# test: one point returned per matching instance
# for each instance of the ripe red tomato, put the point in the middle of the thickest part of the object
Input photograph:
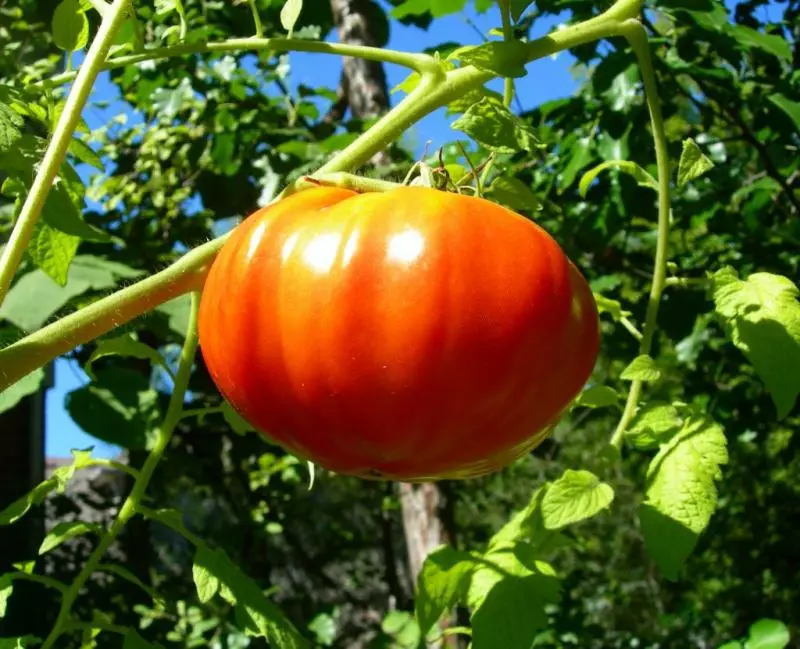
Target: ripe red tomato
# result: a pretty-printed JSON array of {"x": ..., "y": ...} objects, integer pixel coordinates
[{"x": 409, "y": 335}]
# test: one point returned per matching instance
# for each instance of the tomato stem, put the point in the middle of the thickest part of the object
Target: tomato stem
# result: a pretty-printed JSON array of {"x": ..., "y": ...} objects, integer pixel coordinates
[
  {"x": 134, "y": 499},
  {"x": 636, "y": 35},
  {"x": 59, "y": 143}
]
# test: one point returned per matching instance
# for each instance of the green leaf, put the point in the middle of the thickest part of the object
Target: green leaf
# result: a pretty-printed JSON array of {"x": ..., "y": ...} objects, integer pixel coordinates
[
  {"x": 509, "y": 592},
  {"x": 10, "y": 124},
  {"x": 259, "y": 615},
  {"x": 580, "y": 155},
  {"x": 290, "y": 12},
  {"x": 52, "y": 250},
  {"x": 119, "y": 407},
  {"x": 6, "y": 588},
  {"x": 598, "y": 396},
  {"x": 768, "y": 634},
  {"x": 497, "y": 128},
  {"x": 238, "y": 424},
  {"x": 681, "y": 493},
  {"x": 770, "y": 43},
  {"x": 442, "y": 583},
  {"x": 526, "y": 524},
  {"x": 505, "y": 58},
  {"x": 791, "y": 108},
  {"x": 641, "y": 368},
  {"x": 133, "y": 640},
  {"x": 464, "y": 102},
  {"x": 70, "y": 26},
  {"x": 654, "y": 425},
  {"x": 207, "y": 584},
  {"x": 58, "y": 480},
  {"x": 574, "y": 497},
  {"x": 68, "y": 530},
  {"x": 514, "y": 193},
  {"x": 761, "y": 316},
  {"x": 35, "y": 298},
  {"x": 127, "y": 346},
  {"x": 26, "y": 386},
  {"x": 177, "y": 311},
  {"x": 612, "y": 307},
  {"x": 518, "y": 8},
  {"x": 693, "y": 163},
  {"x": 128, "y": 576},
  {"x": 642, "y": 178},
  {"x": 86, "y": 154}
]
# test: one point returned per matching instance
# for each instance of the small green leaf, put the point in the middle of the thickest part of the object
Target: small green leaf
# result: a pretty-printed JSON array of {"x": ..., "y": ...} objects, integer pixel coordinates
[
  {"x": 238, "y": 424},
  {"x": 207, "y": 584},
  {"x": 497, "y": 128},
  {"x": 612, "y": 307},
  {"x": 643, "y": 178},
  {"x": 770, "y": 43},
  {"x": 761, "y": 316},
  {"x": 70, "y": 26},
  {"x": 86, "y": 154},
  {"x": 641, "y": 368},
  {"x": 574, "y": 497},
  {"x": 768, "y": 634},
  {"x": 655, "y": 424},
  {"x": 6, "y": 588},
  {"x": 505, "y": 58},
  {"x": 26, "y": 386},
  {"x": 53, "y": 251},
  {"x": 128, "y": 576},
  {"x": 791, "y": 108},
  {"x": 442, "y": 583},
  {"x": 681, "y": 493},
  {"x": 693, "y": 163},
  {"x": 10, "y": 124},
  {"x": 68, "y": 530},
  {"x": 464, "y": 102},
  {"x": 256, "y": 613},
  {"x": 290, "y": 12},
  {"x": 514, "y": 193},
  {"x": 127, "y": 346},
  {"x": 598, "y": 396}
]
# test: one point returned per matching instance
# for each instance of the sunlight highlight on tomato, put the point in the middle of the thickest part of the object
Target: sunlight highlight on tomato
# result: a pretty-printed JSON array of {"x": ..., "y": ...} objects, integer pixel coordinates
[{"x": 409, "y": 335}]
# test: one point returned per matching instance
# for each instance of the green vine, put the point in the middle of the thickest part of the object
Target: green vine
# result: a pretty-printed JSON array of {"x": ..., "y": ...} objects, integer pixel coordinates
[{"x": 134, "y": 499}]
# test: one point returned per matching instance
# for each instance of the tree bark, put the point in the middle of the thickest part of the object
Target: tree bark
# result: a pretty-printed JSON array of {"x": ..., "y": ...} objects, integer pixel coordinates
[{"x": 362, "y": 86}]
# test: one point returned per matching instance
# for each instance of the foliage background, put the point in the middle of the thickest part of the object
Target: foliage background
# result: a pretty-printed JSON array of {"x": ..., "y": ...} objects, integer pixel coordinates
[{"x": 221, "y": 134}]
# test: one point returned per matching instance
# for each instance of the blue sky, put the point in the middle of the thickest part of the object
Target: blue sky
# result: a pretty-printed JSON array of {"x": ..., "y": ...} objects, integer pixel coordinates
[{"x": 547, "y": 79}]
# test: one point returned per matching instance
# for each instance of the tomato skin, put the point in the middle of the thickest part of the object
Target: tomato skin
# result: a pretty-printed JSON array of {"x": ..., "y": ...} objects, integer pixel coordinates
[{"x": 408, "y": 335}]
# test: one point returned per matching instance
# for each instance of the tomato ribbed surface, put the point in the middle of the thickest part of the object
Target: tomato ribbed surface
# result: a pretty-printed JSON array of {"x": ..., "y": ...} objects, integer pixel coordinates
[{"x": 411, "y": 335}]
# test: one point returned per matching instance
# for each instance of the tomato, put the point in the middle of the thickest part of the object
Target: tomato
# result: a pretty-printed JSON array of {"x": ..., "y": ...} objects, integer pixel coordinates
[{"x": 409, "y": 335}]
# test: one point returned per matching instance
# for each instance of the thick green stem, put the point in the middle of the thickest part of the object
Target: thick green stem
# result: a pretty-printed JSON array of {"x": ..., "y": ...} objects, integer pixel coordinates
[
  {"x": 59, "y": 143},
  {"x": 134, "y": 499},
  {"x": 637, "y": 37},
  {"x": 436, "y": 89}
]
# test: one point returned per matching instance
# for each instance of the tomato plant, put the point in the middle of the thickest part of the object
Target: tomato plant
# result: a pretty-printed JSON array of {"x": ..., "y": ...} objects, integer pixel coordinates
[
  {"x": 400, "y": 332},
  {"x": 413, "y": 334}
]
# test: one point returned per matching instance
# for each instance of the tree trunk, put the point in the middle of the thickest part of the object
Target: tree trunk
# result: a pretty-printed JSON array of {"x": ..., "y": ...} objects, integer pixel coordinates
[{"x": 362, "y": 86}]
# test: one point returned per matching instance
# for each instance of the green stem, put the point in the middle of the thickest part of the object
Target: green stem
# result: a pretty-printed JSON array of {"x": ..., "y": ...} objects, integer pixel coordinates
[
  {"x": 59, "y": 143},
  {"x": 256, "y": 19},
  {"x": 134, "y": 499},
  {"x": 435, "y": 90},
  {"x": 417, "y": 62},
  {"x": 113, "y": 464},
  {"x": 508, "y": 91},
  {"x": 637, "y": 37}
]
